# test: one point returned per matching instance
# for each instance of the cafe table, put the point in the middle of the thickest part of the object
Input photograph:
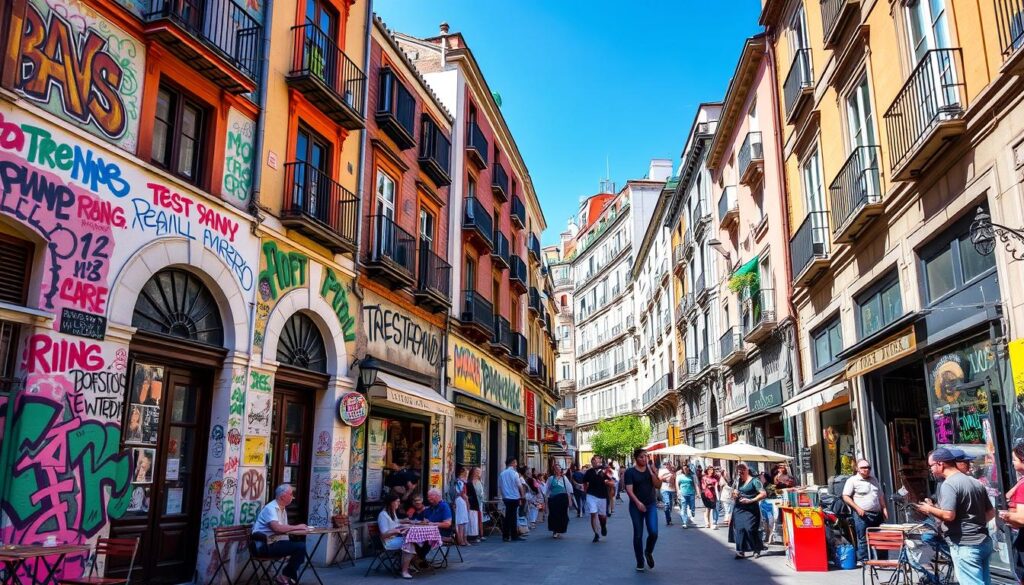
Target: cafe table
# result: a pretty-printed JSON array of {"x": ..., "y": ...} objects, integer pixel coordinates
[
  {"x": 47, "y": 561},
  {"x": 320, "y": 533}
]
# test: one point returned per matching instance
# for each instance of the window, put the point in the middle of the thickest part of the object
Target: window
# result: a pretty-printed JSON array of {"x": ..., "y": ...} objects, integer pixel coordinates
[
  {"x": 178, "y": 141},
  {"x": 471, "y": 188},
  {"x": 810, "y": 172},
  {"x": 385, "y": 195},
  {"x": 879, "y": 306},
  {"x": 426, "y": 229},
  {"x": 828, "y": 341},
  {"x": 951, "y": 265},
  {"x": 16, "y": 258},
  {"x": 926, "y": 20},
  {"x": 798, "y": 39},
  {"x": 860, "y": 117},
  {"x": 470, "y": 278},
  {"x": 319, "y": 14}
]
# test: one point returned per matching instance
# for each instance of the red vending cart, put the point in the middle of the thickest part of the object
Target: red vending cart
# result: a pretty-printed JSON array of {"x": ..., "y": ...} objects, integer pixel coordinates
[{"x": 803, "y": 533}]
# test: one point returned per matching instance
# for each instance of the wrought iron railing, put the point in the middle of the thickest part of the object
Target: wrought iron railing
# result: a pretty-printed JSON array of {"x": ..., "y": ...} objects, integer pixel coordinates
[
  {"x": 477, "y": 310},
  {"x": 389, "y": 242},
  {"x": 476, "y": 140},
  {"x": 750, "y": 151},
  {"x": 799, "y": 78},
  {"x": 857, "y": 184},
  {"x": 312, "y": 194},
  {"x": 223, "y": 25},
  {"x": 317, "y": 55},
  {"x": 1010, "y": 24},
  {"x": 811, "y": 241},
  {"x": 435, "y": 274}
]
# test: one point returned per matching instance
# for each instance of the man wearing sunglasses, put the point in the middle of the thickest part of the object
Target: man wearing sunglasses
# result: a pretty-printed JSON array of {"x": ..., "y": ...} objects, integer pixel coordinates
[{"x": 865, "y": 497}]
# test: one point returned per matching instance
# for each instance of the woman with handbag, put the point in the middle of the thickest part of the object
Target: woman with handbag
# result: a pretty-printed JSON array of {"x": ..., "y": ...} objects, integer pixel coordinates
[
  {"x": 559, "y": 489},
  {"x": 709, "y": 497}
]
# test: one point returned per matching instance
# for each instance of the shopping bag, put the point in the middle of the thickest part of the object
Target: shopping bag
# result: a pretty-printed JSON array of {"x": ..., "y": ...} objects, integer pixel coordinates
[{"x": 523, "y": 525}]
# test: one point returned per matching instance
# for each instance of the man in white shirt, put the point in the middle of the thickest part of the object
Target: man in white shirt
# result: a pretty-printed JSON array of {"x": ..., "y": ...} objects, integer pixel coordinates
[
  {"x": 273, "y": 524},
  {"x": 865, "y": 497},
  {"x": 511, "y": 485}
]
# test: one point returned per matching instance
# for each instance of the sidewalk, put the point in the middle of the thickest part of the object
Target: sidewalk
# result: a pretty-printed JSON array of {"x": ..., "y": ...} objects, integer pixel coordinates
[{"x": 681, "y": 554}]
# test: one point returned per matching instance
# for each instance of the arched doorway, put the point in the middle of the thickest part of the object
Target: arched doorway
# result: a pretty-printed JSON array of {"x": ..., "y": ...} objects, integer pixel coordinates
[
  {"x": 303, "y": 372},
  {"x": 172, "y": 360}
]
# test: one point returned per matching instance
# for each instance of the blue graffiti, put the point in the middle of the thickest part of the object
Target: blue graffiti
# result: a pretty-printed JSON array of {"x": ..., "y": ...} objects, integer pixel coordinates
[{"x": 160, "y": 222}]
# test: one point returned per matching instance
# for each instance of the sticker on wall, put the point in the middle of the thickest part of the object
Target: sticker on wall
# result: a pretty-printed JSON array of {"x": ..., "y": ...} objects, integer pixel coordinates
[
  {"x": 255, "y": 451},
  {"x": 353, "y": 409}
]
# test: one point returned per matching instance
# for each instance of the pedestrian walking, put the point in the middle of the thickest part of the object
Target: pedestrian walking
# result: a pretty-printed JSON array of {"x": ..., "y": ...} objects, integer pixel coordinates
[
  {"x": 865, "y": 496},
  {"x": 612, "y": 472},
  {"x": 597, "y": 485},
  {"x": 559, "y": 489},
  {"x": 667, "y": 475},
  {"x": 513, "y": 496},
  {"x": 687, "y": 496},
  {"x": 642, "y": 484},
  {"x": 578, "y": 494},
  {"x": 965, "y": 510},
  {"x": 746, "y": 514},
  {"x": 1014, "y": 514},
  {"x": 709, "y": 497},
  {"x": 532, "y": 497}
]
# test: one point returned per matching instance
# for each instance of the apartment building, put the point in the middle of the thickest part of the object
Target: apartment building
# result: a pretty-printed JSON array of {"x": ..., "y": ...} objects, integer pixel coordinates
[{"x": 559, "y": 258}]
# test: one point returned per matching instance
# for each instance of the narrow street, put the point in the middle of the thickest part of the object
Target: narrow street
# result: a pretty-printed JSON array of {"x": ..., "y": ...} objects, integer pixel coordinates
[{"x": 699, "y": 555}]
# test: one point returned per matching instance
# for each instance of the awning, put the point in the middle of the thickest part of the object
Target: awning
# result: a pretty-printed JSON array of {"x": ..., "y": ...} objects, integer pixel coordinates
[
  {"x": 656, "y": 445},
  {"x": 815, "y": 396},
  {"x": 409, "y": 394},
  {"x": 750, "y": 266}
]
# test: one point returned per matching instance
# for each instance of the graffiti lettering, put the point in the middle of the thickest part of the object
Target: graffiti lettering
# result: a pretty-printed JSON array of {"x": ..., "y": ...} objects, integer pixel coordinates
[
  {"x": 230, "y": 255},
  {"x": 231, "y": 465},
  {"x": 333, "y": 291},
  {"x": 105, "y": 382},
  {"x": 252, "y": 484},
  {"x": 387, "y": 326},
  {"x": 87, "y": 295},
  {"x": 284, "y": 270},
  {"x": 161, "y": 222},
  {"x": 238, "y": 155},
  {"x": 260, "y": 382},
  {"x": 476, "y": 374},
  {"x": 248, "y": 512},
  {"x": 46, "y": 355},
  {"x": 85, "y": 166},
  {"x": 100, "y": 212}
]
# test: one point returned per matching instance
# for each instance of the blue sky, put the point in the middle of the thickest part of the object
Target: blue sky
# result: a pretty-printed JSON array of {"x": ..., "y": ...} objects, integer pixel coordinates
[{"x": 584, "y": 81}]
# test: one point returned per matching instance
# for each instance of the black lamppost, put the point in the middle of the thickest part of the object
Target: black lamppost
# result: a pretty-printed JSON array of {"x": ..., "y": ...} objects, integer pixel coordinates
[
  {"x": 368, "y": 369},
  {"x": 984, "y": 234}
]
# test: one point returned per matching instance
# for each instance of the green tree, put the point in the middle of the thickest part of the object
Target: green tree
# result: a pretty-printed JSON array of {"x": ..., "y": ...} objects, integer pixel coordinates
[{"x": 616, "y": 438}]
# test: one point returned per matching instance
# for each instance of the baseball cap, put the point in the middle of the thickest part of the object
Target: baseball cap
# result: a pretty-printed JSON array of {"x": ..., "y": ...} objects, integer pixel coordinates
[
  {"x": 961, "y": 455},
  {"x": 943, "y": 455}
]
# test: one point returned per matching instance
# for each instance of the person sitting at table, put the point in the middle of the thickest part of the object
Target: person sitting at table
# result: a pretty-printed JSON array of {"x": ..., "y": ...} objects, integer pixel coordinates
[
  {"x": 392, "y": 532},
  {"x": 439, "y": 513},
  {"x": 272, "y": 523}
]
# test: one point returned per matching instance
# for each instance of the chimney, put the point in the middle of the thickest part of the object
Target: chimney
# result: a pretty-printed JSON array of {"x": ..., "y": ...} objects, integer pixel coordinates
[
  {"x": 660, "y": 169},
  {"x": 444, "y": 29}
]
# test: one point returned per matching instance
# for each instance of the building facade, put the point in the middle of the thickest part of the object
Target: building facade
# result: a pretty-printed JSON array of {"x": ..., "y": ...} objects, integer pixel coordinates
[{"x": 559, "y": 260}]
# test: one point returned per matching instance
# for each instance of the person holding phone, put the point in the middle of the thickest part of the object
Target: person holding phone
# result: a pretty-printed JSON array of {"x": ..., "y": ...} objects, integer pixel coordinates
[{"x": 642, "y": 485}]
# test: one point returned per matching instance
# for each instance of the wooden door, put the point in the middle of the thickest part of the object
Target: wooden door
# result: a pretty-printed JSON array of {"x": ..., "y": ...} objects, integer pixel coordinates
[{"x": 291, "y": 446}]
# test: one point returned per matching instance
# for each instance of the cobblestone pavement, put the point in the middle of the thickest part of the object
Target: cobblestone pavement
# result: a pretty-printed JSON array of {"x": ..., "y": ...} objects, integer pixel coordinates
[{"x": 682, "y": 555}]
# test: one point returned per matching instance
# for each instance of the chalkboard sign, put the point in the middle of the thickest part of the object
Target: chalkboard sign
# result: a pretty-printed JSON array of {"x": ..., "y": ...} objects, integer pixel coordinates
[
  {"x": 82, "y": 324},
  {"x": 805, "y": 458}
]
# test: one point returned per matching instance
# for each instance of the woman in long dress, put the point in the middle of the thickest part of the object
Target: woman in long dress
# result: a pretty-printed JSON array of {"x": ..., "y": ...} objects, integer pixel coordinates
[
  {"x": 461, "y": 506},
  {"x": 746, "y": 513},
  {"x": 559, "y": 490},
  {"x": 709, "y": 495},
  {"x": 476, "y": 496}
]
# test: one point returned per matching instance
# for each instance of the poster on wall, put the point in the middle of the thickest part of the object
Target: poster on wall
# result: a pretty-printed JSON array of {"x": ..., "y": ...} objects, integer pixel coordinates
[
  {"x": 143, "y": 424},
  {"x": 378, "y": 445},
  {"x": 374, "y": 484},
  {"x": 142, "y": 459},
  {"x": 174, "y": 499}
]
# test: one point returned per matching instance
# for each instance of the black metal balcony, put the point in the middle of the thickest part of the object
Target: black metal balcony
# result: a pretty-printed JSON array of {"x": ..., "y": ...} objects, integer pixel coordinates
[
  {"x": 326, "y": 77},
  {"x": 477, "y": 316},
  {"x": 751, "y": 158},
  {"x": 500, "y": 254},
  {"x": 517, "y": 356},
  {"x": 799, "y": 83},
  {"x": 477, "y": 223},
  {"x": 501, "y": 341},
  {"x": 476, "y": 145},
  {"x": 435, "y": 152},
  {"x": 434, "y": 281},
  {"x": 220, "y": 40},
  {"x": 730, "y": 347},
  {"x": 1010, "y": 24},
  {"x": 517, "y": 274},
  {"x": 700, "y": 287},
  {"x": 536, "y": 368},
  {"x": 927, "y": 113},
  {"x": 319, "y": 208},
  {"x": 809, "y": 248},
  {"x": 705, "y": 358},
  {"x": 728, "y": 208},
  {"x": 856, "y": 193},
  {"x": 533, "y": 247},
  {"x": 518, "y": 212},
  {"x": 499, "y": 183},
  {"x": 834, "y": 13},
  {"x": 390, "y": 253},
  {"x": 396, "y": 109},
  {"x": 759, "y": 315},
  {"x": 657, "y": 391},
  {"x": 534, "y": 304}
]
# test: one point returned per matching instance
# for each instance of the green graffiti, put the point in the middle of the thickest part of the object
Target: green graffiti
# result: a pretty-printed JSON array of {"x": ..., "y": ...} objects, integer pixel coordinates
[
  {"x": 284, "y": 270},
  {"x": 333, "y": 291}
]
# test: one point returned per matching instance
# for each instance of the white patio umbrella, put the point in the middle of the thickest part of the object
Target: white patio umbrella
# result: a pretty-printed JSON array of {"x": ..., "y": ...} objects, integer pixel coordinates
[
  {"x": 743, "y": 451},
  {"x": 680, "y": 450}
]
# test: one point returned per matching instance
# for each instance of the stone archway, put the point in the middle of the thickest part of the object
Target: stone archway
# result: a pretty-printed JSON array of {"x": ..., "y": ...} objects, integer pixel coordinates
[{"x": 305, "y": 300}]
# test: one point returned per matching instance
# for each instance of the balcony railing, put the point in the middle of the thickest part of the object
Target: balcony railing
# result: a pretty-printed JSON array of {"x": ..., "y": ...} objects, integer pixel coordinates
[
  {"x": 391, "y": 253},
  {"x": 518, "y": 212},
  {"x": 856, "y": 193},
  {"x": 701, "y": 285},
  {"x": 679, "y": 256},
  {"x": 500, "y": 252},
  {"x": 657, "y": 390},
  {"x": 518, "y": 354},
  {"x": 477, "y": 221},
  {"x": 434, "y": 281},
  {"x": 477, "y": 312},
  {"x": 517, "y": 273},
  {"x": 927, "y": 112},
  {"x": 536, "y": 368},
  {"x": 533, "y": 246},
  {"x": 809, "y": 248},
  {"x": 535, "y": 301},
  {"x": 751, "y": 157},
  {"x": 833, "y": 13},
  {"x": 223, "y": 26},
  {"x": 476, "y": 145},
  {"x": 435, "y": 152},
  {"x": 705, "y": 358},
  {"x": 319, "y": 207},
  {"x": 759, "y": 315},
  {"x": 1010, "y": 24},
  {"x": 728, "y": 207},
  {"x": 327, "y": 77},
  {"x": 730, "y": 347},
  {"x": 396, "y": 109},
  {"x": 502, "y": 339},
  {"x": 499, "y": 183},
  {"x": 799, "y": 82}
]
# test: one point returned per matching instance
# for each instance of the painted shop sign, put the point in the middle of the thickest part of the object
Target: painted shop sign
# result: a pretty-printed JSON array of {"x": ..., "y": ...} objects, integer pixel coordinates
[
  {"x": 477, "y": 374},
  {"x": 399, "y": 337},
  {"x": 353, "y": 409},
  {"x": 73, "y": 63},
  {"x": 902, "y": 344},
  {"x": 767, "y": 397},
  {"x": 531, "y": 416}
]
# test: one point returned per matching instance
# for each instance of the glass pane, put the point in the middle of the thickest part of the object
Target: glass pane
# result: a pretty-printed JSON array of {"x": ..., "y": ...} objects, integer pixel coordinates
[
  {"x": 822, "y": 355},
  {"x": 183, "y": 408},
  {"x": 301, "y": 146},
  {"x": 939, "y": 271},
  {"x": 190, "y": 121},
  {"x": 293, "y": 422},
  {"x": 892, "y": 305},
  {"x": 835, "y": 336},
  {"x": 870, "y": 316},
  {"x": 178, "y": 469},
  {"x": 186, "y": 157},
  {"x": 292, "y": 451},
  {"x": 972, "y": 263},
  {"x": 160, "y": 142}
]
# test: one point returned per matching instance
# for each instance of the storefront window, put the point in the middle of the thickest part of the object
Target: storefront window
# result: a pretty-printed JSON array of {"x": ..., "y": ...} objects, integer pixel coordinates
[
  {"x": 837, "y": 441},
  {"x": 396, "y": 449},
  {"x": 467, "y": 448}
]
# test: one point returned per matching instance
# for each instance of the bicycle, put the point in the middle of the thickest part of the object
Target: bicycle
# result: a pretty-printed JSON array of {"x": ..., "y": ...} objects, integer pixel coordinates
[{"x": 924, "y": 546}]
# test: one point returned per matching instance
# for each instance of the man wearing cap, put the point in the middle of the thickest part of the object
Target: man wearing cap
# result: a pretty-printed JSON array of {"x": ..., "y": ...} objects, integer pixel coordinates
[
  {"x": 864, "y": 495},
  {"x": 965, "y": 509},
  {"x": 962, "y": 460}
]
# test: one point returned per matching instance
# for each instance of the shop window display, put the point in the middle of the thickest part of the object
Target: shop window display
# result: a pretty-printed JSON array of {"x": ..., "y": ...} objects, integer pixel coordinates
[
  {"x": 396, "y": 450},
  {"x": 837, "y": 441}
]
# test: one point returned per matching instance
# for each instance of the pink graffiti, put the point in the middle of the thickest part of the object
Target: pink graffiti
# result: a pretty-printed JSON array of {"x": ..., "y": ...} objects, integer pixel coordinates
[{"x": 45, "y": 354}]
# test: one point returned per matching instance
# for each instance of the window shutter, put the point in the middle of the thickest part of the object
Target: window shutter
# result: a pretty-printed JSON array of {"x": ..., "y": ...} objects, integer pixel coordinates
[{"x": 15, "y": 260}]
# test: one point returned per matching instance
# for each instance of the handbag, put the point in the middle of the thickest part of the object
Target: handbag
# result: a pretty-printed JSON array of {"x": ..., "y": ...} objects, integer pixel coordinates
[{"x": 522, "y": 525}]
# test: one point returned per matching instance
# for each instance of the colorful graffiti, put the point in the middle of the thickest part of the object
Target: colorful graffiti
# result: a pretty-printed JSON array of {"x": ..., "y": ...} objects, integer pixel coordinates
[
  {"x": 80, "y": 67},
  {"x": 238, "y": 157},
  {"x": 334, "y": 292},
  {"x": 477, "y": 374},
  {"x": 357, "y": 464},
  {"x": 281, "y": 270}
]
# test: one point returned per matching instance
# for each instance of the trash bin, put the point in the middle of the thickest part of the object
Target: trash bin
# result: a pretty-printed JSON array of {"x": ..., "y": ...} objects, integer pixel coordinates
[{"x": 846, "y": 556}]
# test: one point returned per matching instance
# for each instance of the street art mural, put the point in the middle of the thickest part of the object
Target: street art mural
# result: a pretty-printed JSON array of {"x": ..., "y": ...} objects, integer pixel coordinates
[
  {"x": 76, "y": 65},
  {"x": 238, "y": 156},
  {"x": 477, "y": 374}
]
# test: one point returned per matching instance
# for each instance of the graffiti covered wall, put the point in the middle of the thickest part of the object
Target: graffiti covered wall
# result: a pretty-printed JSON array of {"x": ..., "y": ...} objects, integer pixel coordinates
[
  {"x": 238, "y": 155},
  {"x": 475, "y": 373}
]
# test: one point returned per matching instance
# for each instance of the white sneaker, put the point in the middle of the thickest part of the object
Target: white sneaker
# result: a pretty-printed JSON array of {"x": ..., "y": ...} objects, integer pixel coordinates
[
  {"x": 684, "y": 525},
  {"x": 715, "y": 527}
]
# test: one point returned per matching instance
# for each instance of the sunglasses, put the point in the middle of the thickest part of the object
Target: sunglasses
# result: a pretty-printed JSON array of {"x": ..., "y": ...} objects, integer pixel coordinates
[{"x": 866, "y": 467}]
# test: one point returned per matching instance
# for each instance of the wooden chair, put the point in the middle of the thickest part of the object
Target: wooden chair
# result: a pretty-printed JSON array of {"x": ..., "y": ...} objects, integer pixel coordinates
[
  {"x": 109, "y": 548},
  {"x": 266, "y": 568},
  {"x": 391, "y": 560},
  {"x": 892, "y": 542},
  {"x": 346, "y": 545},
  {"x": 226, "y": 538}
]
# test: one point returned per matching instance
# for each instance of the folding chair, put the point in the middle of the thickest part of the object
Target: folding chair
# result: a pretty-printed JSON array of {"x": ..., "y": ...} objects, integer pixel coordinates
[
  {"x": 224, "y": 539},
  {"x": 893, "y": 542},
  {"x": 496, "y": 516},
  {"x": 383, "y": 558},
  {"x": 266, "y": 568},
  {"x": 443, "y": 551},
  {"x": 109, "y": 548},
  {"x": 346, "y": 545}
]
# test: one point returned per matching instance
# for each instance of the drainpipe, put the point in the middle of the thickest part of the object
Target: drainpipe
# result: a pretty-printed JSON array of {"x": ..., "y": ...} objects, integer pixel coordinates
[
  {"x": 257, "y": 165},
  {"x": 362, "y": 151}
]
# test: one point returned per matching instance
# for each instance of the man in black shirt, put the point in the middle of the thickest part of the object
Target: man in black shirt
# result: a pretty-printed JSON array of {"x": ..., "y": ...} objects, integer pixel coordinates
[
  {"x": 642, "y": 485},
  {"x": 596, "y": 484}
]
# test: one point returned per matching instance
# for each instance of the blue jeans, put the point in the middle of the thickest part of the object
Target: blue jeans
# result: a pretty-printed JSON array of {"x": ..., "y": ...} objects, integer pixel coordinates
[
  {"x": 861, "y": 525},
  {"x": 650, "y": 517},
  {"x": 669, "y": 499},
  {"x": 293, "y": 549},
  {"x": 937, "y": 544},
  {"x": 688, "y": 502},
  {"x": 970, "y": 561}
]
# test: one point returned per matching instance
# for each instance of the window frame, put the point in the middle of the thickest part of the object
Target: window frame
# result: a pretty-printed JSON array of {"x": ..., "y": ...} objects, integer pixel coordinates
[
  {"x": 172, "y": 141},
  {"x": 950, "y": 240},
  {"x": 824, "y": 330},
  {"x": 883, "y": 284}
]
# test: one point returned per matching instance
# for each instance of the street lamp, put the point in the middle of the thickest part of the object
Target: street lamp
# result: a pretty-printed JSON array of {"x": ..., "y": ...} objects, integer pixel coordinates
[
  {"x": 368, "y": 370},
  {"x": 984, "y": 234}
]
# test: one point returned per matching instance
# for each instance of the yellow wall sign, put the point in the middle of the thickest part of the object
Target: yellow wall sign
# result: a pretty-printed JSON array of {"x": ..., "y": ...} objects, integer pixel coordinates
[
  {"x": 255, "y": 451},
  {"x": 1017, "y": 366},
  {"x": 475, "y": 373}
]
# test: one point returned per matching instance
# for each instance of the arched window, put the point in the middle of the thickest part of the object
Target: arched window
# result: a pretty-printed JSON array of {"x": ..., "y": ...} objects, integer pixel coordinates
[
  {"x": 301, "y": 345},
  {"x": 176, "y": 303}
]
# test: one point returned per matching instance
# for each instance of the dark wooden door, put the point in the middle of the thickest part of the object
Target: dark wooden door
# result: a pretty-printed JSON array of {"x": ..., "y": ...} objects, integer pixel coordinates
[
  {"x": 291, "y": 447},
  {"x": 166, "y": 435}
]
